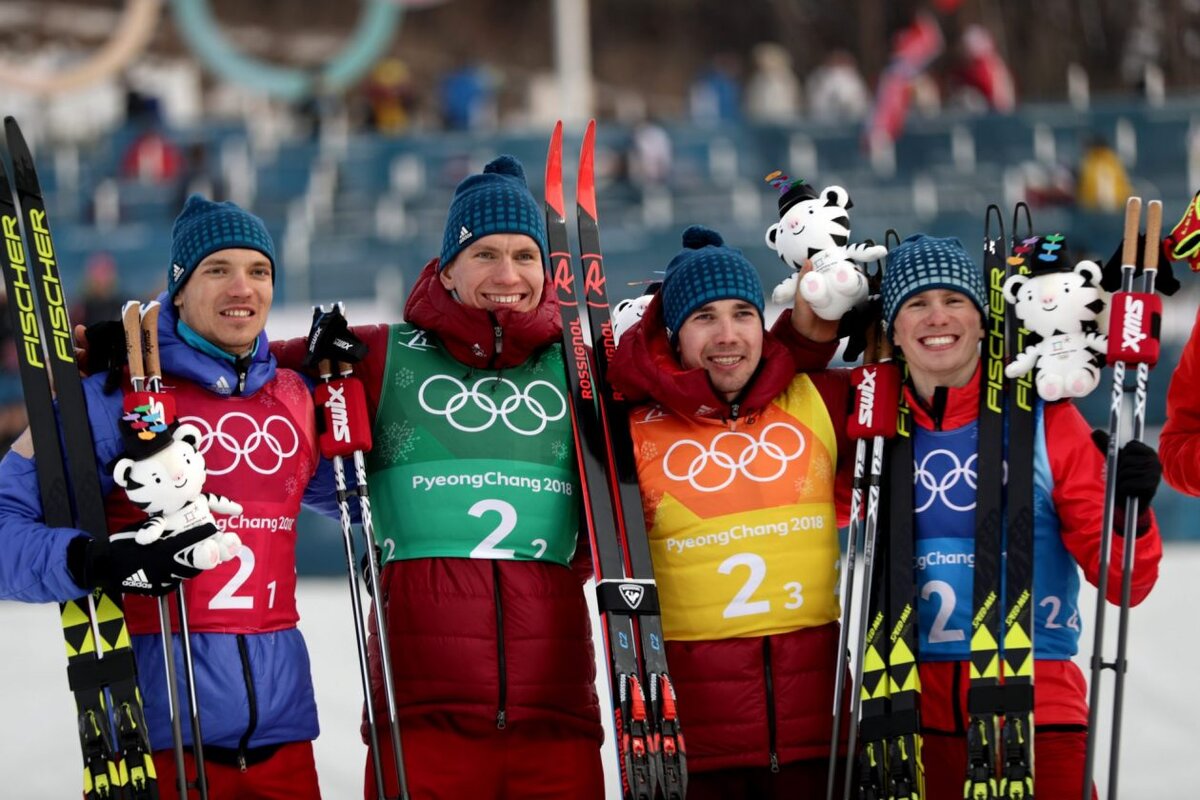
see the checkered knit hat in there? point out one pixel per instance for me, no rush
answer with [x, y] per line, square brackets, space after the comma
[496, 201]
[705, 271]
[203, 228]
[922, 262]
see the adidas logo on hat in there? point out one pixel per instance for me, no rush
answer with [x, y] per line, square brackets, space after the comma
[138, 580]
[464, 234]
[177, 272]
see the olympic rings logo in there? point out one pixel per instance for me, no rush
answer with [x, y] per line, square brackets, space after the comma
[525, 411]
[265, 448]
[949, 479]
[789, 444]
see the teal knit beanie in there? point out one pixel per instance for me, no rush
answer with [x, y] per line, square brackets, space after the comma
[203, 228]
[496, 201]
[922, 262]
[704, 271]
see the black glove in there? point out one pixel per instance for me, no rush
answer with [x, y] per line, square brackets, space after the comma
[106, 352]
[1138, 470]
[330, 338]
[121, 564]
[364, 568]
[854, 326]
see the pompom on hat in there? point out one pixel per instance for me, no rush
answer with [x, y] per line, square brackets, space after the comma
[497, 200]
[705, 271]
[923, 262]
[204, 227]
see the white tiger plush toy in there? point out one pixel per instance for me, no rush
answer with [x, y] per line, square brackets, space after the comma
[1064, 308]
[629, 312]
[168, 484]
[816, 227]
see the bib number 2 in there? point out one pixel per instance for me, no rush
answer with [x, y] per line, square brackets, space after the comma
[742, 605]
[489, 548]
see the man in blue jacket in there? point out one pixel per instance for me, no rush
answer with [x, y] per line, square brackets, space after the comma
[258, 438]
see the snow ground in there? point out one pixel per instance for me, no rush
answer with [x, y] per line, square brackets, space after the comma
[39, 748]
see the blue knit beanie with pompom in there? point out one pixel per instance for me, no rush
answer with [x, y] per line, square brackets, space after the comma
[496, 201]
[704, 271]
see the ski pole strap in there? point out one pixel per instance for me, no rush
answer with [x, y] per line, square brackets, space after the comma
[628, 596]
[1000, 699]
[343, 424]
[876, 401]
[1133, 330]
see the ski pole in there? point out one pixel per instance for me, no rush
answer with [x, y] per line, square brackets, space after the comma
[346, 433]
[1118, 355]
[1129, 540]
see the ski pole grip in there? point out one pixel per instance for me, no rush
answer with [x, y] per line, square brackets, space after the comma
[1133, 328]
[344, 425]
[876, 401]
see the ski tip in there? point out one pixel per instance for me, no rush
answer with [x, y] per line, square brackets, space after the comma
[554, 187]
[585, 189]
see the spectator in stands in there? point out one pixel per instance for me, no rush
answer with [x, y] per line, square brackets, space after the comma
[199, 177]
[650, 154]
[101, 297]
[837, 91]
[716, 96]
[468, 98]
[773, 91]
[151, 157]
[981, 78]
[391, 97]
[1103, 183]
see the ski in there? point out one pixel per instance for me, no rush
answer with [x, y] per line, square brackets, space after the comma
[627, 498]
[117, 762]
[985, 701]
[620, 596]
[1016, 742]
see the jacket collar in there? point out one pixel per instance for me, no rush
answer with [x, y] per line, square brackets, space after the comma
[217, 375]
[950, 407]
[477, 338]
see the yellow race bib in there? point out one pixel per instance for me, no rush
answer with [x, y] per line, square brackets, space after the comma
[741, 517]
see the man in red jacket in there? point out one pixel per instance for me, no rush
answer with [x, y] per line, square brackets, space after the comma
[1179, 443]
[743, 465]
[476, 505]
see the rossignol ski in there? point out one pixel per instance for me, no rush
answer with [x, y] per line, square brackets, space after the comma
[1133, 339]
[650, 744]
[117, 762]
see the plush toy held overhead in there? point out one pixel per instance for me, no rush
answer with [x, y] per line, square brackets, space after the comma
[163, 474]
[1062, 305]
[816, 227]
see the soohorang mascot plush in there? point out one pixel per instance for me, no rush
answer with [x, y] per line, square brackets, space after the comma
[1064, 306]
[163, 474]
[629, 312]
[816, 226]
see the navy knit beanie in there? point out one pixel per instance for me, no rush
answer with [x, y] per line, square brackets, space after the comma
[203, 228]
[705, 271]
[923, 262]
[496, 201]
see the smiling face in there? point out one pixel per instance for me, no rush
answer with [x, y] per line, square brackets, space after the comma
[227, 297]
[725, 339]
[939, 331]
[501, 270]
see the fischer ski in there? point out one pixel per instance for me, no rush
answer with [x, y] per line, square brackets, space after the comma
[649, 740]
[117, 761]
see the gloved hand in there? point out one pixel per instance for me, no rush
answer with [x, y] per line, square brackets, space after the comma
[101, 348]
[330, 338]
[855, 323]
[1138, 470]
[122, 565]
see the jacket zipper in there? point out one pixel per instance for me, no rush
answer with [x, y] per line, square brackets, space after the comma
[770, 685]
[501, 712]
[251, 699]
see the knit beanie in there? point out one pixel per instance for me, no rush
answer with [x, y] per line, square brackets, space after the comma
[203, 228]
[705, 271]
[496, 201]
[922, 262]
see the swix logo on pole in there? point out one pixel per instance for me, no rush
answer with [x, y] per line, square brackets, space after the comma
[1132, 334]
[866, 398]
[338, 416]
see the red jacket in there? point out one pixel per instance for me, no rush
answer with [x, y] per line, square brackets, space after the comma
[745, 702]
[1077, 467]
[482, 644]
[1179, 443]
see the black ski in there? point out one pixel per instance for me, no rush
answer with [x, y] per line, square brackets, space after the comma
[627, 498]
[984, 698]
[100, 666]
[620, 596]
